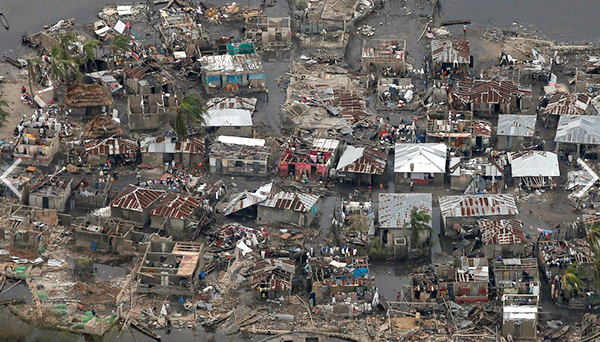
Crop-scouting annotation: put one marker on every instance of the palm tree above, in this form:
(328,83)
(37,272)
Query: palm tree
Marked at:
(120,44)
(419,222)
(3,114)
(89,48)
(571,280)
(594,236)
(191,109)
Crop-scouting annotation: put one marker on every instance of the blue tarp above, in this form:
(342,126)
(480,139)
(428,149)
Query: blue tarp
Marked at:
(360,272)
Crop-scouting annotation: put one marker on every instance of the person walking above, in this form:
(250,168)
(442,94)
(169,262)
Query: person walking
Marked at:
(267,95)
(465,30)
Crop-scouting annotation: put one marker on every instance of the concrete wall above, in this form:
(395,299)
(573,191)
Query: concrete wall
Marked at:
(404,178)
(506,251)
(512,143)
(130,215)
(56,202)
(185,159)
(525,329)
(235,131)
(267,214)
(460,182)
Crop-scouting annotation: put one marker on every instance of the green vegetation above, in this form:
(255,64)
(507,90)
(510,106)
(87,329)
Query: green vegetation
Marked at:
(419,222)
(3,113)
(191,109)
(571,280)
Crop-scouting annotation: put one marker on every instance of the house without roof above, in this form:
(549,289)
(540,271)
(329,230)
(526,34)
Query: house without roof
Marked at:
(515,130)
(119,149)
(502,237)
(568,103)
(362,165)
(239,156)
(306,158)
(450,55)
(134,203)
(51,193)
(188,152)
(37,146)
(272,278)
(421,163)
(494,96)
(287,206)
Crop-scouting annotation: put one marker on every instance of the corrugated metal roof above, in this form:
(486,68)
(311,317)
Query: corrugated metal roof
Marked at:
(277,273)
(516,125)
(112,146)
(366,160)
(448,51)
(288,200)
(501,232)
(247,199)
(482,127)
(535,164)
(228,118)
(325,145)
(489,91)
(578,129)
(137,72)
(568,103)
(395,209)
(478,205)
(136,198)
(420,158)
(232,63)
(173,145)
(232,103)
(176,206)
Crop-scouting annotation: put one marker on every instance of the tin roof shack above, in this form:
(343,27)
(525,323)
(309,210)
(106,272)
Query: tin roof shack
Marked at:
(394,220)
(465,282)
(88,100)
(247,201)
(362,165)
(384,58)
(515,130)
(188,152)
(304,157)
(345,279)
(421,163)
(179,33)
(25,226)
(450,127)
(568,103)
(504,238)
(535,169)
(473,175)
(239,156)
(108,234)
(134,203)
(482,132)
(170,268)
(35,147)
(269,33)
(517,276)
(286,206)
(149,78)
(393,93)
(51,193)
(467,209)
(520,316)
(578,130)
(494,96)
(240,70)
(555,256)
(450,55)
(588,77)
(272,278)
(121,150)
(231,115)
(175,213)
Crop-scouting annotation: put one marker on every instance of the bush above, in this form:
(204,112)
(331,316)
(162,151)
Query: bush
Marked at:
(377,251)
(301,5)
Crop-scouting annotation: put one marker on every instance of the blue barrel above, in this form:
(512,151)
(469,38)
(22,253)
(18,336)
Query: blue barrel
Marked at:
(423,138)
(202,275)
(94,245)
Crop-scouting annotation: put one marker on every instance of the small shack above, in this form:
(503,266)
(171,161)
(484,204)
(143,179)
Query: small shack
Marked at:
(272,278)
(421,163)
(239,156)
(515,130)
(505,238)
(305,158)
(384,57)
(576,130)
(287,206)
(188,152)
(231,116)
(119,150)
(174,213)
(362,165)
(450,55)
(134,203)
(51,193)
(534,169)
(37,146)
(88,100)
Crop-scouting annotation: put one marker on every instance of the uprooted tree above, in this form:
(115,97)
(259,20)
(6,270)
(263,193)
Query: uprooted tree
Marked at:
(191,110)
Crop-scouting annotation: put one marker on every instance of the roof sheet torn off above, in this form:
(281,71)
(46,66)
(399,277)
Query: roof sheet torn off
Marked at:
(478,205)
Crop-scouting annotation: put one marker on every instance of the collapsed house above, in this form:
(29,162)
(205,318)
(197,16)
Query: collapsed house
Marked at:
(464,282)
(576,130)
(272,278)
(568,103)
(482,132)
(188,152)
(24,226)
(51,193)
(239,156)
(515,130)
(588,77)
(286,206)
(238,70)
(102,127)
(362,165)
(535,169)
(393,93)
(450,55)
(304,158)
(395,212)
(505,238)
(493,96)
(121,150)
(108,234)
(88,100)
(384,58)
(467,209)
(149,78)
(134,203)
(37,146)
(421,163)
(170,268)
(473,175)
(517,276)
(230,115)
(269,33)
(245,201)
(175,213)
(453,128)
(180,33)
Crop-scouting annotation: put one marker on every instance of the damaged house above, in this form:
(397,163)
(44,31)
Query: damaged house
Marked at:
(473,175)
(534,169)
(175,213)
(482,132)
(575,131)
(247,201)
(239,156)
(149,78)
(134,203)
(109,235)
(25,227)
(120,150)
(492,96)
(170,268)
(465,282)
(517,276)
(515,130)
(450,55)
(51,193)
(305,158)
(467,209)
(362,165)
(505,238)
(394,219)
(588,77)
(568,103)
(268,33)
(272,278)
(384,57)
(180,33)
(37,146)
(453,128)
(230,115)
(393,93)
(421,163)
(88,100)
(188,152)
(287,206)
(520,316)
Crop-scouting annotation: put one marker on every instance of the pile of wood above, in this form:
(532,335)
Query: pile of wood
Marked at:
(102,126)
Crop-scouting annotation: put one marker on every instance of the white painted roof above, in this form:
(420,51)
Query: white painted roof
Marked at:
(516,125)
(578,129)
(226,139)
(420,158)
(229,117)
(534,163)
(395,209)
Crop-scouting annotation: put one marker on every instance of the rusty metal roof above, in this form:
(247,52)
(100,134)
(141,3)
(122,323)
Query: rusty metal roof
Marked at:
(366,160)
(489,91)
(395,209)
(176,206)
(173,145)
(277,274)
(482,127)
(501,232)
(112,146)
(136,198)
(568,103)
(478,205)
(448,51)
(137,72)
(288,200)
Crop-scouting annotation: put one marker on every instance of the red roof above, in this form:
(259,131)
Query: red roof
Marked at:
(176,206)
(136,198)
(489,91)
(112,146)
